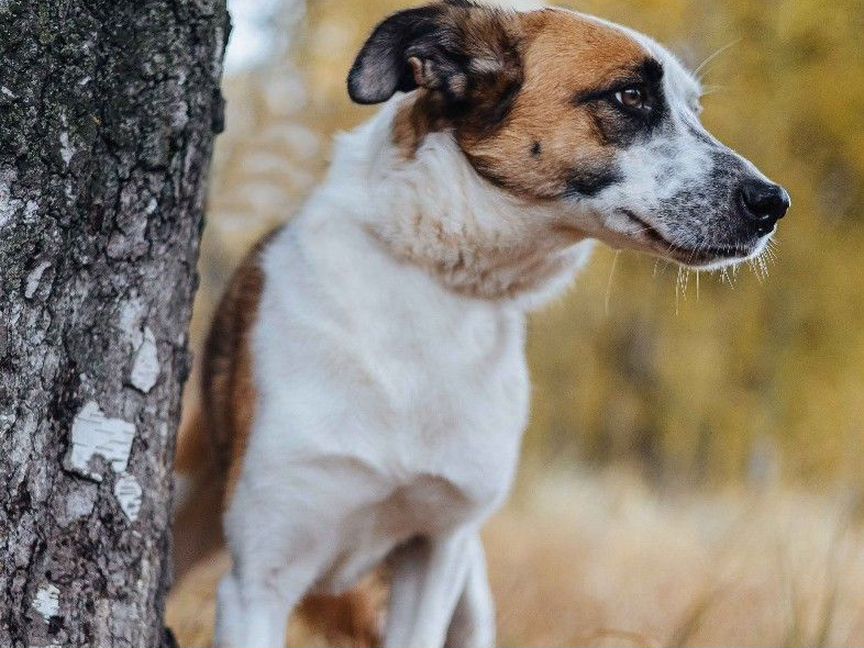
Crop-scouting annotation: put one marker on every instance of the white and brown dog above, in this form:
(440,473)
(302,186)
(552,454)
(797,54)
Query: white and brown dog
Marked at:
(364,383)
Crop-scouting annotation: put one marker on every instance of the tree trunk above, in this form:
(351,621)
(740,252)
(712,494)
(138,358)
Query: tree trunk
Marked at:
(107,115)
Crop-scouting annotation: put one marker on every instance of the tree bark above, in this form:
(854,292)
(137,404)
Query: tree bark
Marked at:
(107,115)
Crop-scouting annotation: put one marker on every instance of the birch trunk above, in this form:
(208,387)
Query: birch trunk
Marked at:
(107,114)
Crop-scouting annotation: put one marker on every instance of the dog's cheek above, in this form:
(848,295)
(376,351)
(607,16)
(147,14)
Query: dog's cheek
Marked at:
(545,163)
(591,180)
(661,169)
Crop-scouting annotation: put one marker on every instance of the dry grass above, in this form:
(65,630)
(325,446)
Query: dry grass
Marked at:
(604,560)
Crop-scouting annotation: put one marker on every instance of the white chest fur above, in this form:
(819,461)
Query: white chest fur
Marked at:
(391,403)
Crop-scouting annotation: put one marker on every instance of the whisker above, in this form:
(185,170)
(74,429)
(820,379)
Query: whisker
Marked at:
(763,264)
(771,250)
(712,89)
(609,282)
(754,268)
(713,56)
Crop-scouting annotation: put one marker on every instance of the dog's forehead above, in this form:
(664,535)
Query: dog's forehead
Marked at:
(604,46)
(678,78)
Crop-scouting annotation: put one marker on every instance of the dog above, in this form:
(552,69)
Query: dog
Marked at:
(364,384)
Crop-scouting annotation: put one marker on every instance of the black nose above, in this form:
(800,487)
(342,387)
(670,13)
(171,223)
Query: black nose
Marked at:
(763,203)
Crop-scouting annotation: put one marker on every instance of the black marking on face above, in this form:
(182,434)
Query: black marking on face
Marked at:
(616,125)
(536,149)
(489,111)
(652,71)
(589,182)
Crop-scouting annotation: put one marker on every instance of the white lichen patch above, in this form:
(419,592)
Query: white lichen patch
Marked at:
(7,420)
(6,91)
(128,492)
(131,314)
(145,369)
(8,205)
(94,434)
(47,601)
(31,211)
(80,502)
(66,150)
(33,279)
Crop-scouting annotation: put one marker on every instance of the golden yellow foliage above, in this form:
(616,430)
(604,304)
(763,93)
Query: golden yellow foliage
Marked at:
(706,384)
(713,385)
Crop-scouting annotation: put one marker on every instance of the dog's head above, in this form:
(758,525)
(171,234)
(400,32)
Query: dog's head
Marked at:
(591,118)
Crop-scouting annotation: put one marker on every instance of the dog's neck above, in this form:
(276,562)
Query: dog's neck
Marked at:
(432,209)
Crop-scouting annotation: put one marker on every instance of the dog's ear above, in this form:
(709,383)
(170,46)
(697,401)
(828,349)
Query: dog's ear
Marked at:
(453,48)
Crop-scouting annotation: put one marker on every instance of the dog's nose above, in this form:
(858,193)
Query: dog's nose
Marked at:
(763,203)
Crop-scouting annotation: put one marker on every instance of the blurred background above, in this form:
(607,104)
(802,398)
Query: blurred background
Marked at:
(694,467)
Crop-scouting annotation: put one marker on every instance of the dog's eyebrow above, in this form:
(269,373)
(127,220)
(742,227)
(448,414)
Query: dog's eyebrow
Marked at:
(649,72)
(652,70)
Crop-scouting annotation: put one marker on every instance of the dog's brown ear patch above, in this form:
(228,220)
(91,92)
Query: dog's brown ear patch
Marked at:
(459,51)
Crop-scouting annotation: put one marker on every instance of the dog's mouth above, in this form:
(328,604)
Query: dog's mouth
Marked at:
(702,256)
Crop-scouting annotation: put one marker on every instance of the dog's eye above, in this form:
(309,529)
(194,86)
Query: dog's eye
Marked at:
(634,99)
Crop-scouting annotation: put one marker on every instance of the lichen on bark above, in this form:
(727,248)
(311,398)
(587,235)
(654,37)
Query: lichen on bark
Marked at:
(107,114)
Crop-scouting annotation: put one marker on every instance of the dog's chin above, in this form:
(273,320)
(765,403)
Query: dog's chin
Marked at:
(715,258)
(705,256)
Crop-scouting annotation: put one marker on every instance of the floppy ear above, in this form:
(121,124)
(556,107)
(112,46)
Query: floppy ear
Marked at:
(450,47)
(382,66)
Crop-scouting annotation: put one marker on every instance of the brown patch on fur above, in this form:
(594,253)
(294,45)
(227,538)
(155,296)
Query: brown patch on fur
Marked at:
(567,55)
(197,528)
(352,619)
(227,388)
(214,433)
(413,123)
(541,139)
(193,448)
(476,87)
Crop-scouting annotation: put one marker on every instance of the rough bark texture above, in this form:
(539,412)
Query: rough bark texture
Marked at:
(107,115)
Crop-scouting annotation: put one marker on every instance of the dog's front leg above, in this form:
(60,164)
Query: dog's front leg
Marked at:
(253,605)
(473,623)
(429,576)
